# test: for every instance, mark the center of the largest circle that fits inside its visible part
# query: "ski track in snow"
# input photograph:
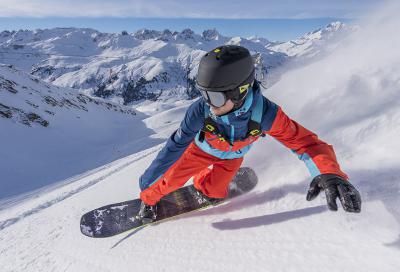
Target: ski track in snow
(8, 222)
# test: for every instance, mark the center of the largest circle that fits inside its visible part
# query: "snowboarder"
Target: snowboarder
(219, 129)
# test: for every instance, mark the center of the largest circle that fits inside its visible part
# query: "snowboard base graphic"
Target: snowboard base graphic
(116, 218)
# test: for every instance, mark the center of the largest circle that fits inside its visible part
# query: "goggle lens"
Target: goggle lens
(217, 99)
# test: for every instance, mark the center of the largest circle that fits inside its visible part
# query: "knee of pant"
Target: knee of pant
(199, 177)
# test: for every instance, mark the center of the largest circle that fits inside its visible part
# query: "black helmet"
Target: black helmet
(227, 70)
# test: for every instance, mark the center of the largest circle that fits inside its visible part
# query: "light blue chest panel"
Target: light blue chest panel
(256, 116)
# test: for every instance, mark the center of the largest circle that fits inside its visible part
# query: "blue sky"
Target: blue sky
(273, 19)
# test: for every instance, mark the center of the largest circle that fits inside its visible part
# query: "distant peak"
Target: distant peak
(146, 34)
(327, 30)
(187, 31)
(210, 34)
(335, 26)
(167, 32)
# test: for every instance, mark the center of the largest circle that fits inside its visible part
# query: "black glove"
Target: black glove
(335, 186)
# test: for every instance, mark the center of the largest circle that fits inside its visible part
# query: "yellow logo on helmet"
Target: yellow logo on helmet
(217, 50)
(243, 88)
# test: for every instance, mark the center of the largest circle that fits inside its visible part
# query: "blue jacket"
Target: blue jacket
(233, 125)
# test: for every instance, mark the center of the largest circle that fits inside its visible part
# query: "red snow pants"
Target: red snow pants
(194, 162)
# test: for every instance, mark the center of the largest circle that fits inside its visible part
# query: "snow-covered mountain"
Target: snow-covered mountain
(349, 98)
(147, 64)
(311, 44)
(129, 67)
(36, 102)
(311, 47)
(28, 100)
(48, 133)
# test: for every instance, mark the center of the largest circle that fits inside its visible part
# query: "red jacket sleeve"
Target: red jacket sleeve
(318, 156)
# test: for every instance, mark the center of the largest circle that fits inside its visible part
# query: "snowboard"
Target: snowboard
(117, 218)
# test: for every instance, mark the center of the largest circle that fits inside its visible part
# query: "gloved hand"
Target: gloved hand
(335, 186)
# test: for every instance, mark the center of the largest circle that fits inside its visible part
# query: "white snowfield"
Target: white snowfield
(350, 98)
(50, 133)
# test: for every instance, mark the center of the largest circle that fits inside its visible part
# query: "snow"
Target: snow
(85, 59)
(88, 60)
(350, 98)
(79, 136)
(313, 42)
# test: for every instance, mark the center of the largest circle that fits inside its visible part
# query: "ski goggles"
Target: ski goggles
(218, 99)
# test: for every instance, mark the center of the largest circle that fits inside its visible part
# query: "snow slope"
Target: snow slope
(349, 98)
(49, 133)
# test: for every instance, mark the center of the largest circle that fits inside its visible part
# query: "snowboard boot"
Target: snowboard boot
(147, 213)
(201, 198)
